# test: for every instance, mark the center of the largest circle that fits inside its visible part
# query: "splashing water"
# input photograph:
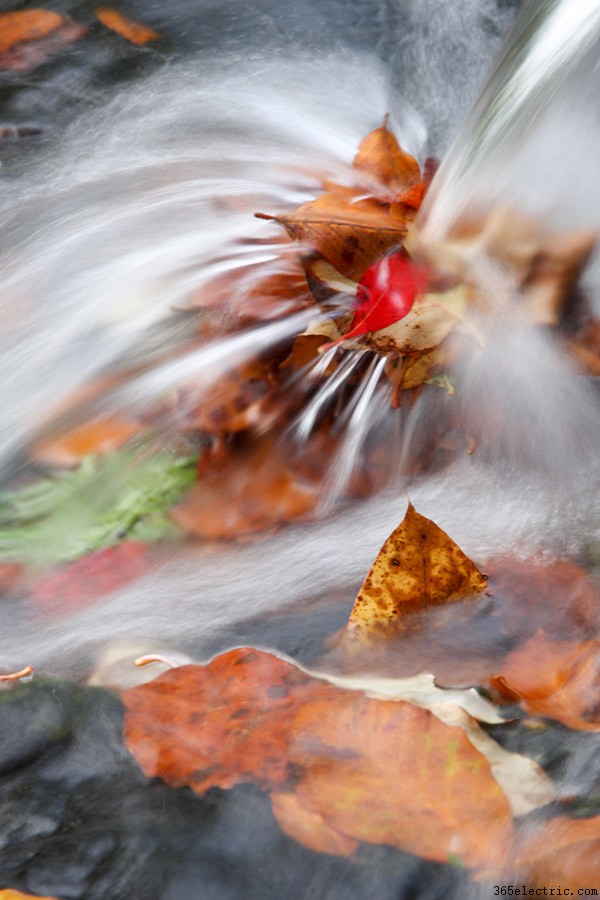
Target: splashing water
(106, 238)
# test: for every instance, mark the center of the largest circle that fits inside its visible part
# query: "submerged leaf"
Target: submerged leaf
(132, 31)
(29, 37)
(553, 678)
(101, 435)
(104, 500)
(76, 585)
(341, 768)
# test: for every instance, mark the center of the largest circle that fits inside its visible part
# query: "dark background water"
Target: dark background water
(438, 53)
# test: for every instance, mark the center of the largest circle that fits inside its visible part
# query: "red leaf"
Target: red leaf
(386, 293)
(76, 585)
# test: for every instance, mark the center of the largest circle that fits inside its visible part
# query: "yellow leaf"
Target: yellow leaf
(418, 566)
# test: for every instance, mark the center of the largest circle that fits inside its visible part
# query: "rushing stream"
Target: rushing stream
(102, 238)
(149, 195)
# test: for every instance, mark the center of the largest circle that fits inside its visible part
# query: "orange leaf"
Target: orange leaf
(342, 768)
(561, 851)
(27, 25)
(101, 435)
(132, 31)
(350, 231)
(557, 679)
(418, 566)
(263, 489)
(381, 156)
(9, 894)
(29, 37)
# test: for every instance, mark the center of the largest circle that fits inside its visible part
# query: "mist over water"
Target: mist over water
(152, 196)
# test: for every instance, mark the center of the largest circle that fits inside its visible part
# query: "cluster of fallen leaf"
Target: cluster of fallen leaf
(396, 759)
(355, 261)
(29, 37)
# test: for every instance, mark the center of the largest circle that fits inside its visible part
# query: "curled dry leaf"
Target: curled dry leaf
(132, 31)
(556, 679)
(418, 566)
(348, 229)
(340, 767)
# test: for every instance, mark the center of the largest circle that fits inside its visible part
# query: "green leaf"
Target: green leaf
(103, 501)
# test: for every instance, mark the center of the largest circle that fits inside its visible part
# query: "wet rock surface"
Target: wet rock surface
(78, 819)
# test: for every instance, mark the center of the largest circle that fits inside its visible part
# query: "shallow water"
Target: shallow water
(103, 238)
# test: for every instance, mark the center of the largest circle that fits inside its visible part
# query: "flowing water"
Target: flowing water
(148, 198)
(102, 238)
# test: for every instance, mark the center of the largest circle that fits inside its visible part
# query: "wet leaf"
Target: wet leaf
(381, 156)
(9, 894)
(90, 577)
(27, 25)
(432, 318)
(556, 679)
(249, 492)
(349, 230)
(386, 293)
(418, 566)
(561, 851)
(29, 37)
(132, 31)
(325, 282)
(102, 501)
(341, 768)
(101, 435)
(238, 400)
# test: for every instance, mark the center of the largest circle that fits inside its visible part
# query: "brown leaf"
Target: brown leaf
(350, 231)
(100, 435)
(237, 401)
(560, 851)
(9, 894)
(380, 154)
(132, 31)
(264, 488)
(29, 37)
(557, 679)
(341, 768)
(417, 567)
(556, 595)
(304, 351)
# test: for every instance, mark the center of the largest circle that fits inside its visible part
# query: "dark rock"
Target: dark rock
(80, 821)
